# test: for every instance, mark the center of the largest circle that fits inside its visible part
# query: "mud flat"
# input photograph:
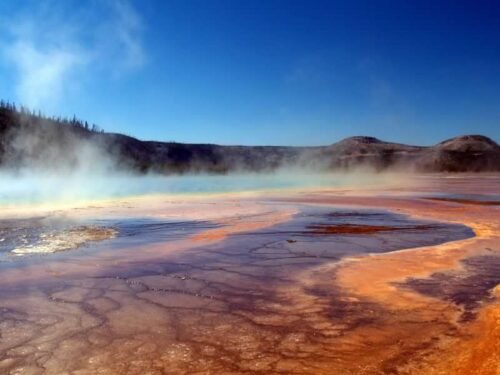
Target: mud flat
(387, 281)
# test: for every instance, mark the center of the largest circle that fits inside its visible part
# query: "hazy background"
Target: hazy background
(31, 188)
(258, 72)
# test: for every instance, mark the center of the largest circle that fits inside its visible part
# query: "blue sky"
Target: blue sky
(258, 72)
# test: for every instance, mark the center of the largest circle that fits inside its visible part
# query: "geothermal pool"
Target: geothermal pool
(371, 280)
(22, 189)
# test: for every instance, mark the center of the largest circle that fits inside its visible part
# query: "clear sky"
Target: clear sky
(258, 72)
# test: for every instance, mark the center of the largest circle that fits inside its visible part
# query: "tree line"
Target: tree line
(10, 109)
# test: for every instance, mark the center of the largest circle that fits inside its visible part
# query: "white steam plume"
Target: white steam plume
(52, 47)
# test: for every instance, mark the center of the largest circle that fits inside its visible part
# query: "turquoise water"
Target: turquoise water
(15, 190)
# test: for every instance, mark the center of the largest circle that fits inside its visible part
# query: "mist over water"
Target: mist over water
(45, 188)
(30, 188)
(46, 162)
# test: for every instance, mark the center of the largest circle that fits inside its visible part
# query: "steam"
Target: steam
(35, 144)
(128, 26)
(33, 188)
(51, 44)
(42, 74)
(49, 162)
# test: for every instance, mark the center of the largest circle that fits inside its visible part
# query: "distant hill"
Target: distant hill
(29, 140)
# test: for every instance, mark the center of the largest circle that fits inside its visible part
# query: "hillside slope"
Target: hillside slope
(36, 142)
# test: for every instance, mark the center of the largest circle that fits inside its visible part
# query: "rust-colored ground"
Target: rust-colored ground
(466, 201)
(267, 291)
(361, 229)
(429, 327)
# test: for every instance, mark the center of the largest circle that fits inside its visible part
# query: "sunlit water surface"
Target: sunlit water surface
(49, 234)
(31, 189)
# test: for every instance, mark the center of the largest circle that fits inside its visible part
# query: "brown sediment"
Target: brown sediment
(466, 201)
(459, 347)
(363, 229)
(467, 287)
(264, 302)
(475, 351)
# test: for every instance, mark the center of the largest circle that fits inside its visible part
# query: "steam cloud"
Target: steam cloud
(51, 44)
(46, 162)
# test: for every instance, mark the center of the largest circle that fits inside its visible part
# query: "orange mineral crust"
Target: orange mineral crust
(373, 281)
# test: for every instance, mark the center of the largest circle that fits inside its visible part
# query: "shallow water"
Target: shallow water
(33, 189)
(468, 289)
(48, 234)
(53, 233)
(237, 305)
(210, 286)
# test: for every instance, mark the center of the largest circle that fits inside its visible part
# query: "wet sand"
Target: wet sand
(385, 281)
